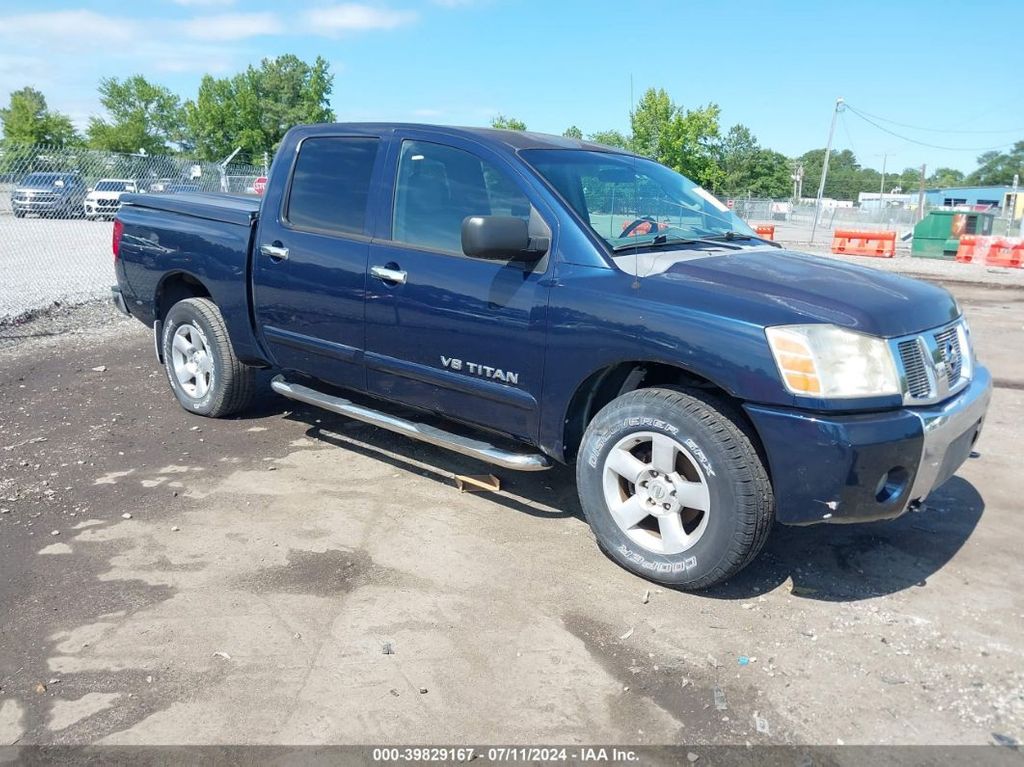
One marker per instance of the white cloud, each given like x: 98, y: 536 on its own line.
x: 353, y: 17
x: 59, y: 27
x: 204, y: 3
x: 232, y: 26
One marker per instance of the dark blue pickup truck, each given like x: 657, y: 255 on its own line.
x: 557, y: 300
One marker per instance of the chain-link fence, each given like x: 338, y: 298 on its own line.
x: 55, y: 212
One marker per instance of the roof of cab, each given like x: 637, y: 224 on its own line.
x: 509, y: 140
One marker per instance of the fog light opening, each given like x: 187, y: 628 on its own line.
x: 891, y: 485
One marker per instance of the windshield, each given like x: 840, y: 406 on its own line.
x: 630, y: 200
x: 114, y: 186
x: 42, y: 179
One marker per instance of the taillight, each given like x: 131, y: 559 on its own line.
x: 115, y: 243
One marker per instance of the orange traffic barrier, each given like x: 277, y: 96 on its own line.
x: 1006, y: 251
x: 965, y: 251
x: 877, y: 244
x: 765, y: 230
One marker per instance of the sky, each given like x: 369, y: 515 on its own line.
x: 952, y: 72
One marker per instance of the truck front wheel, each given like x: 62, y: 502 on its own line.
x: 204, y: 373
x: 673, y: 487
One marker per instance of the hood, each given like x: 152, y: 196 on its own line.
x: 769, y: 286
x: 94, y: 195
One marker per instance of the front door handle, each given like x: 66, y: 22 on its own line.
x: 275, y: 252
x: 396, y: 276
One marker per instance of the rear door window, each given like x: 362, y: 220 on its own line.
x: 330, y: 184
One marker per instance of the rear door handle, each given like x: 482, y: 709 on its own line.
x: 276, y: 252
x: 396, y: 276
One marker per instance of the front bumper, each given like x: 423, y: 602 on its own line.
x: 37, y: 206
x: 102, y: 207
x: 863, y: 467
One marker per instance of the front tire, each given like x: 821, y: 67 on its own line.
x: 204, y: 373
x: 673, y: 487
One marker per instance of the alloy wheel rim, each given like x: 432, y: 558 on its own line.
x: 192, y: 361
x: 656, y: 492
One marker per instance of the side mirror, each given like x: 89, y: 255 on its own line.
x: 501, y: 238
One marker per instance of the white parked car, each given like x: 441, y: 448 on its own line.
x: 104, y: 199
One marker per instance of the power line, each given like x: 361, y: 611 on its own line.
x: 934, y: 130
x: 925, y: 143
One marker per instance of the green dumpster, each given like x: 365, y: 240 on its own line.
x: 938, y: 234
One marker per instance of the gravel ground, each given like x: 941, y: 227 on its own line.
x: 171, y: 579
x: 52, y: 260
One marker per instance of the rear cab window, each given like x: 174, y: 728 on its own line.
x: 330, y: 184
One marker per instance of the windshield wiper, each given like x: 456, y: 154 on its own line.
x: 663, y: 240
x: 732, y: 236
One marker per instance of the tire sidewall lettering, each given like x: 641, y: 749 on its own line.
x: 633, y: 422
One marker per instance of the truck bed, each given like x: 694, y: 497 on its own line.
x: 228, y: 208
x: 202, y: 237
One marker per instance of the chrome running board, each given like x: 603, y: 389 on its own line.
x: 474, y: 448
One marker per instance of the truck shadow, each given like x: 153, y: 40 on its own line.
x: 837, y: 563
x: 547, y: 495
x: 844, y: 563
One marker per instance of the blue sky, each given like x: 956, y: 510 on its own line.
x: 777, y: 67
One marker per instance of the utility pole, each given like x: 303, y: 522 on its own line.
x: 1012, y: 207
x: 824, y: 166
x: 920, y: 195
x: 881, y: 192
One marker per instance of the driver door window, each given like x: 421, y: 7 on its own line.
x: 438, y: 186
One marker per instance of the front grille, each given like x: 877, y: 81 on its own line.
x: 934, y: 364
x: 915, y: 369
x: 947, y: 344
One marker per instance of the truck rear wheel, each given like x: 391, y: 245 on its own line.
x: 204, y: 373
x: 673, y: 488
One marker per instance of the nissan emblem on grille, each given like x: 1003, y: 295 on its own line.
x: 933, y: 364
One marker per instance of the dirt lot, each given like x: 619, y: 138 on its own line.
x: 169, y: 579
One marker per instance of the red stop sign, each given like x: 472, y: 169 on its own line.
x: 260, y: 185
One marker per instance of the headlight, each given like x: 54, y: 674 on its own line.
x: 828, y: 361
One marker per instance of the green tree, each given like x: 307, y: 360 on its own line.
x: 255, y: 108
x: 998, y: 168
x: 611, y: 138
x: 946, y: 177
x: 142, y: 116
x: 909, y: 180
x: 507, y: 123
x: 685, y: 140
x: 845, y: 176
x: 27, y: 120
x: 573, y: 132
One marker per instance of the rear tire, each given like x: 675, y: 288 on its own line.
x: 204, y: 373
x: 673, y: 487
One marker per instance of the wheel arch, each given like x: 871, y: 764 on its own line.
x: 612, y: 381
x: 174, y: 287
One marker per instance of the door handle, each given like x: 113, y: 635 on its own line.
x: 396, y: 276
x: 275, y: 252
